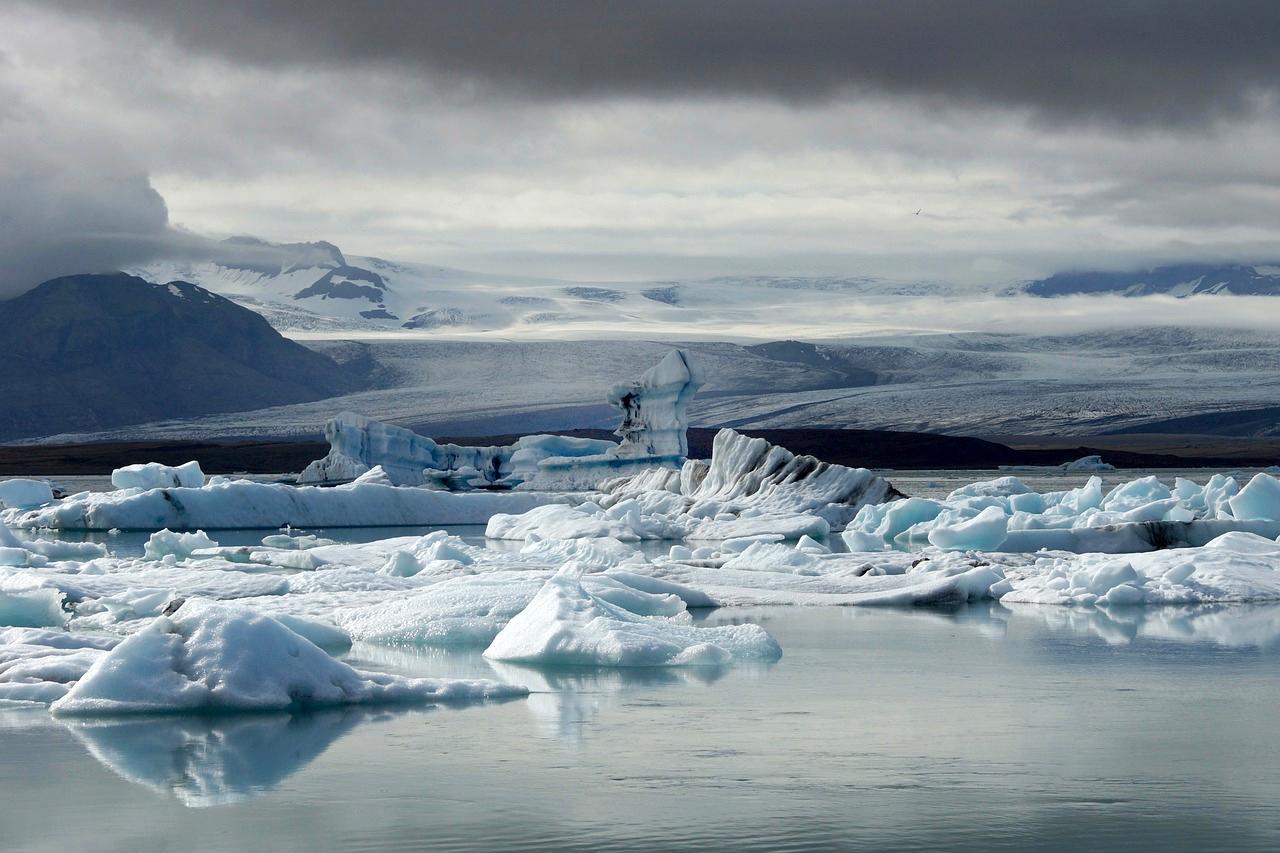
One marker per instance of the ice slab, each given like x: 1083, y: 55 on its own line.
x: 565, y: 624
x: 208, y: 656
x: 248, y: 504
x: 153, y: 475
x: 24, y: 493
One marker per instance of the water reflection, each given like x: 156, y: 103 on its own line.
x: 565, y: 700
x: 1230, y: 626
x: 211, y: 761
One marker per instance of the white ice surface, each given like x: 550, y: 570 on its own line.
x: 208, y: 656
x: 248, y: 504
x: 565, y: 624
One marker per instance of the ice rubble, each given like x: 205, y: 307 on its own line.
x: 654, y: 421
x: 566, y: 624
x: 749, y: 488
x: 207, y: 656
x: 1139, y: 515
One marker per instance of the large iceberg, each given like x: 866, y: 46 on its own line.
x: 207, y: 656
x: 565, y: 624
x: 223, y: 504
x: 654, y: 422
x: 750, y: 488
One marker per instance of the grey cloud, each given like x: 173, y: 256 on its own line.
x: 1126, y: 61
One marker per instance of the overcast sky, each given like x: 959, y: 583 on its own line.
x: 654, y: 139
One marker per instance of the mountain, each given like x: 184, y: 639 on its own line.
x: 1181, y: 280
x: 316, y: 288
x: 90, y: 352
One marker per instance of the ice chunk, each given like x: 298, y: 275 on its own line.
x: 208, y: 656
x: 30, y: 606
x: 180, y: 545
x: 1259, y: 499
x: 566, y: 624
x: 655, y: 409
x: 24, y: 494
x: 1085, y: 464
x: 153, y: 475
x: 774, y: 557
x: 984, y: 532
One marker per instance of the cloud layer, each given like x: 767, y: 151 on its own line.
x: 644, y: 140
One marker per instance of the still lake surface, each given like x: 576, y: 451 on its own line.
x: 975, y: 729
x: 978, y: 728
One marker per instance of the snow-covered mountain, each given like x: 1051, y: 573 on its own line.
x: 1181, y: 281
x: 314, y: 287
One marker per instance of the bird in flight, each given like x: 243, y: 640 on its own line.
x: 917, y: 213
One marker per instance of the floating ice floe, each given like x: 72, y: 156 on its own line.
x: 38, y: 552
x: 1005, y: 515
x: 224, y: 504
x: 565, y: 624
x: 207, y: 656
x: 654, y: 422
x: 749, y: 488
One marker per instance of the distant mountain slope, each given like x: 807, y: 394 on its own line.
x: 1181, y: 281
x: 316, y: 288
x: 100, y: 351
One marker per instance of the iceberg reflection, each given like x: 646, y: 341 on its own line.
x: 565, y: 700
x: 1230, y: 626
x: 211, y: 761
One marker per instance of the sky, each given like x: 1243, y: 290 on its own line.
x: 980, y: 142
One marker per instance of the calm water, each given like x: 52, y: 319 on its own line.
x: 978, y: 729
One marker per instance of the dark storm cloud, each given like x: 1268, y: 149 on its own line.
x: 1142, y: 61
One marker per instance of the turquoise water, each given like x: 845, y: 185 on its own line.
x: 976, y: 729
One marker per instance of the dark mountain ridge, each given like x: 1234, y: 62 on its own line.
x: 91, y: 352
x: 1180, y: 280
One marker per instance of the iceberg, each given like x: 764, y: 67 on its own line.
x: 153, y: 475
x: 224, y: 504
x: 208, y: 656
x: 565, y: 624
x: 653, y: 432
x: 749, y: 488
x: 1005, y: 515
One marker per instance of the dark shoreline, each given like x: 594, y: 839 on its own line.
x: 865, y: 448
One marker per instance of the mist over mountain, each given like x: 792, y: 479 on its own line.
x: 1180, y: 280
